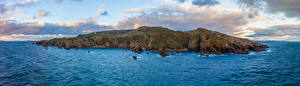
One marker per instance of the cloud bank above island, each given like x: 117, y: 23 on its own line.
x: 180, y: 16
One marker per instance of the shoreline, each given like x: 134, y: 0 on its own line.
x: 159, y: 39
x: 161, y: 52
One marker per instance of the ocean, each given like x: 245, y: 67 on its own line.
x: 26, y: 64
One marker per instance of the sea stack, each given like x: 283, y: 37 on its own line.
x: 163, y: 54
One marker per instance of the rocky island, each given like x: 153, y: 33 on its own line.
x: 159, y: 39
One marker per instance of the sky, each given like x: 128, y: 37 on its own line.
x: 262, y: 20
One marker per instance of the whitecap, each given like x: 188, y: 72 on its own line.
x: 139, y: 57
x: 252, y: 53
x: 198, y: 55
x: 269, y: 50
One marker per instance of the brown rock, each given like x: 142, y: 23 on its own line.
x: 138, y: 50
x: 163, y: 54
x: 134, y: 57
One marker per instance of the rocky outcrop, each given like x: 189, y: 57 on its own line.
x: 163, y: 54
x: 159, y: 39
x: 210, y: 42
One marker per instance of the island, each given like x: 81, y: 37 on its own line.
x: 159, y: 39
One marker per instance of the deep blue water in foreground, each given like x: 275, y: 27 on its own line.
x: 25, y: 64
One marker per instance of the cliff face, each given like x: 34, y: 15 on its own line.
x: 160, y: 39
x: 210, y: 42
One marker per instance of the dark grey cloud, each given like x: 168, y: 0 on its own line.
x: 2, y: 8
x: 181, y: 1
x: 205, y: 2
x: 105, y: 13
x: 201, y: 3
x: 291, y: 8
x: 280, y: 30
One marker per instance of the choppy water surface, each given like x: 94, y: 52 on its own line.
x: 25, y: 64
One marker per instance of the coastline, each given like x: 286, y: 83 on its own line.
x: 159, y: 39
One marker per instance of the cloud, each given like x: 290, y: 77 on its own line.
x: 39, y: 28
x: 279, y: 32
x: 182, y: 17
x: 11, y: 29
x: 41, y: 14
x: 93, y: 18
x: 291, y: 8
x: 11, y: 8
x: 24, y: 3
x: 2, y: 8
x: 201, y: 3
x: 22, y: 37
x: 181, y: 1
x: 134, y: 10
x: 59, y: 1
x: 105, y: 13
x: 205, y: 2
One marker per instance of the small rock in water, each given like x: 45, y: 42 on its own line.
x: 89, y: 51
x: 138, y: 50
x: 173, y: 54
x: 68, y: 48
x: 163, y: 54
x: 134, y: 57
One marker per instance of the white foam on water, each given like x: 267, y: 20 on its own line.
x: 269, y: 50
x: 139, y: 57
x: 252, y: 53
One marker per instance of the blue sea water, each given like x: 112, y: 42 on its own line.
x: 26, y: 64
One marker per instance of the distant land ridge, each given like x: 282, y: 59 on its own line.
x: 159, y: 39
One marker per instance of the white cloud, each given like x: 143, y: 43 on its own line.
x: 184, y: 16
x: 41, y: 14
